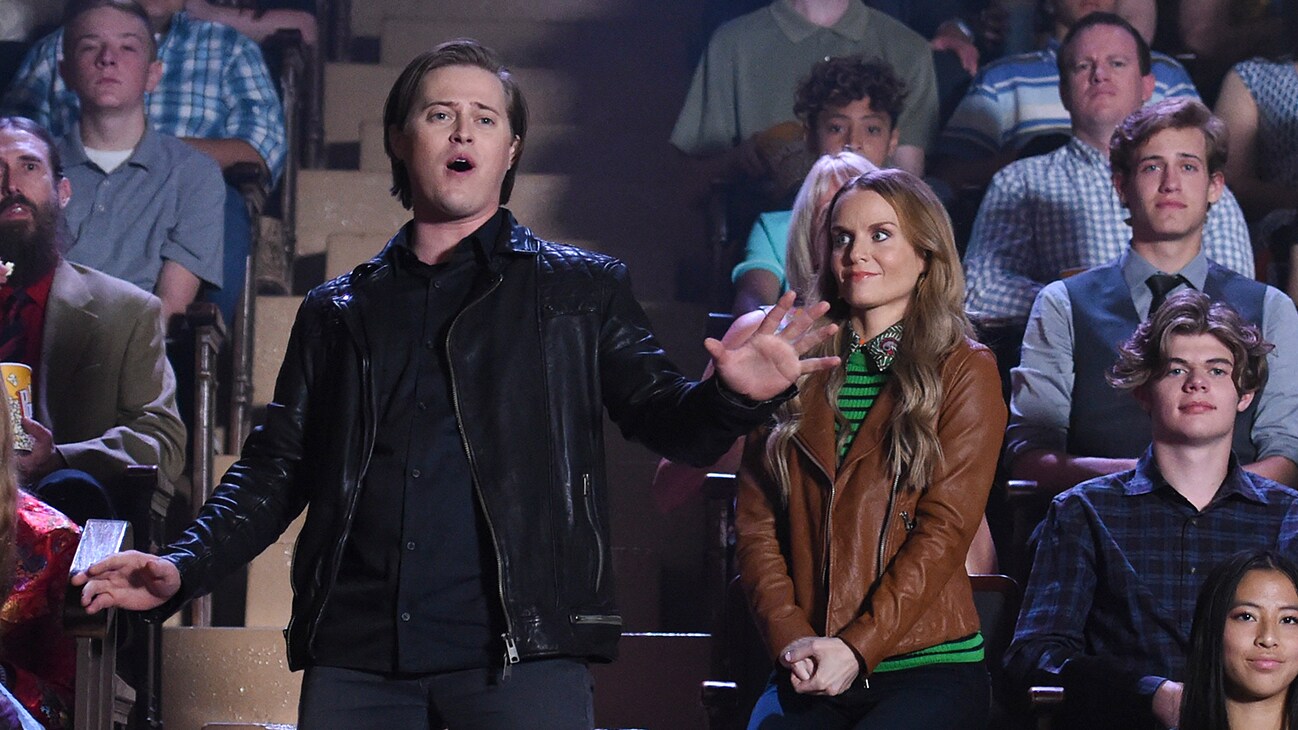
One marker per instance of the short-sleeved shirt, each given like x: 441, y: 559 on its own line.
x: 166, y: 202
x: 1044, y: 215
x: 1015, y: 99
x: 749, y: 74
x: 768, y: 247
x: 215, y: 85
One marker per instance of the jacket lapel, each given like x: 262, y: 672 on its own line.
x: 67, y: 313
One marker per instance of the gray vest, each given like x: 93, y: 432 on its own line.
x: 1110, y: 423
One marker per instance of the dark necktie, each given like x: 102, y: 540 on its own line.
x: 1160, y: 285
x: 13, y: 332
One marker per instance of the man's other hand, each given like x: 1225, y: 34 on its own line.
x: 132, y: 580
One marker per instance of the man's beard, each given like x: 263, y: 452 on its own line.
x: 32, y: 246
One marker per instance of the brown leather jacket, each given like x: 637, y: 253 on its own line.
x: 894, y: 557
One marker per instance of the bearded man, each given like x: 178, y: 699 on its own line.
x: 105, y: 395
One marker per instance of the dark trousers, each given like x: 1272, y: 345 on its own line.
x: 76, y: 494
x: 938, y: 697
x: 550, y: 694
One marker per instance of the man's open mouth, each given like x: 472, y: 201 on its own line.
x: 460, y: 164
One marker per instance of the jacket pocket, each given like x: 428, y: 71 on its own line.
x: 600, y: 619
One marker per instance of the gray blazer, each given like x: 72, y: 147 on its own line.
x: 105, y: 388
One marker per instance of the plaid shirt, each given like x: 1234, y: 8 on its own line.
x: 214, y: 85
x: 1119, y: 563
x: 1043, y: 215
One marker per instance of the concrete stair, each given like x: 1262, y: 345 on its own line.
x: 233, y: 675
x: 274, y: 322
x: 270, y: 592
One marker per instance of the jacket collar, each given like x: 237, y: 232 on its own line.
x: 817, y: 438
x: 512, y: 238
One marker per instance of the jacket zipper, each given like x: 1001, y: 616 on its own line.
x: 824, y: 576
x: 887, y: 520
x: 511, y: 648
x: 589, y: 499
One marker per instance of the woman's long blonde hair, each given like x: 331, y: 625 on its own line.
x: 934, y: 324
x: 806, y: 244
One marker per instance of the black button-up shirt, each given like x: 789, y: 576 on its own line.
x: 415, y: 588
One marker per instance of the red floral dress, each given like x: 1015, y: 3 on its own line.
x: 39, y: 659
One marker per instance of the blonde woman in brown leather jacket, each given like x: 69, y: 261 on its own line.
x: 857, y: 505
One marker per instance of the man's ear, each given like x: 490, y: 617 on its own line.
x: 1120, y: 182
x: 515, y: 149
x: 1147, y: 88
x: 1245, y: 401
x: 398, y: 143
x: 155, y: 75
x: 64, y: 188
x: 1216, y: 186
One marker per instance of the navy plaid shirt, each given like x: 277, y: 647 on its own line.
x: 1118, y: 567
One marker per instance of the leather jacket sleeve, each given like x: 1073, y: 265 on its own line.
x: 649, y: 398
x: 970, y: 427
x: 260, y: 495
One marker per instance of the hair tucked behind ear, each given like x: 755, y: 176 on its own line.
x: 935, y: 324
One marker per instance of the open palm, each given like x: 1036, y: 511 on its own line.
x: 773, y: 358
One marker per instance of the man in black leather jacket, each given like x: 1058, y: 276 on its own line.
x: 438, y: 415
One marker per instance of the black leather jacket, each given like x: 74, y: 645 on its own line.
x: 550, y: 334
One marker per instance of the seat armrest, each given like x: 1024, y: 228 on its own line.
x: 99, y: 539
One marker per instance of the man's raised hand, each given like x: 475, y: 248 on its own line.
x: 767, y: 363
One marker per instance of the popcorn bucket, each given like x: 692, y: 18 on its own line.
x: 18, y: 385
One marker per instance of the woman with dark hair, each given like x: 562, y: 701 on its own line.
x: 1244, y: 646
x: 857, y: 505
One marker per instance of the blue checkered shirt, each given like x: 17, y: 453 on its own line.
x: 1119, y: 563
x: 214, y: 85
x: 1047, y: 214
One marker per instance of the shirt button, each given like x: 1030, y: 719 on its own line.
x: 415, y: 473
x: 437, y: 285
x: 100, y: 208
x: 410, y: 545
x: 421, y: 406
x: 405, y: 617
x: 429, y: 344
x: 1193, y: 570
